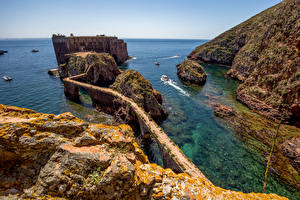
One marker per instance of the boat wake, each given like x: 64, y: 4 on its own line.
x: 171, y: 57
x: 174, y: 85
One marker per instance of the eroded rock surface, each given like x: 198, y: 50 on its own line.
x: 43, y: 156
x: 264, y: 54
x: 192, y: 72
x: 132, y: 84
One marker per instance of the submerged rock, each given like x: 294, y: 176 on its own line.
x: 258, y: 133
x: 264, y: 54
x: 192, y: 72
x: 132, y: 84
x: 43, y: 156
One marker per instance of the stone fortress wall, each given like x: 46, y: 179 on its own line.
x: 64, y: 45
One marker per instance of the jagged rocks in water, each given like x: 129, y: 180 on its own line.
x: 264, y: 54
x: 43, y: 156
x: 101, y: 68
x: 192, y: 72
x: 132, y: 84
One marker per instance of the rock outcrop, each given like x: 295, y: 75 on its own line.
x: 132, y: 84
x: 43, y: 156
x: 192, y: 72
x: 101, y: 69
x: 264, y: 54
x: 259, y: 132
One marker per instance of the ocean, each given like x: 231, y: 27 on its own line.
x: 205, y: 139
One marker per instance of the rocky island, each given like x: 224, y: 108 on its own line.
x: 133, y: 85
x: 192, y: 72
x: 46, y: 156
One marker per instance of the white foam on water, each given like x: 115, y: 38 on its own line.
x: 127, y: 61
x: 171, y: 57
x: 174, y: 85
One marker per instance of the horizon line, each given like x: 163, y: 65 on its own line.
x: 8, y: 38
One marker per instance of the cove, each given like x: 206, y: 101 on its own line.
x: 205, y: 139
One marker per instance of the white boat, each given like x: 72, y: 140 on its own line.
x: 7, y: 78
x: 156, y: 63
x: 164, y: 78
x: 35, y: 50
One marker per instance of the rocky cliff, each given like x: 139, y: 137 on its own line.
x: 43, y: 156
x: 132, y: 84
x: 264, y: 54
x: 192, y: 72
x: 101, y: 68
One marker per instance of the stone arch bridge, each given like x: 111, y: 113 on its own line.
x: 171, y: 154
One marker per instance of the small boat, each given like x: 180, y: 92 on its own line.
x: 7, y: 78
x: 34, y: 50
x: 164, y: 78
x: 2, y: 52
x: 156, y: 63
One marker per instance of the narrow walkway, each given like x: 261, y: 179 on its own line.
x: 173, y: 150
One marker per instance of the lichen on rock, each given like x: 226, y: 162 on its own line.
x: 192, y: 72
x: 43, y: 156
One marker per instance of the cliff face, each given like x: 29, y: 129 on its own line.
x: 101, y: 69
x: 192, y: 72
x: 264, y: 54
x: 132, y: 84
x: 43, y: 156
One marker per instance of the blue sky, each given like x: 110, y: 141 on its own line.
x: 200, y: 19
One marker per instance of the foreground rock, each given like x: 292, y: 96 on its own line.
x: 192, y: 72
x: 101, y: 68
x: 264, y: 54
x: 132, y: 84
x: 250, y: 128
x: 43, y: 156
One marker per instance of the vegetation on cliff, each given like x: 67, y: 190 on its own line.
x: 192, y: 72
x: 43, y: 156
x: 132, y: 84
x: 100, y: 68
x: 264, y: 54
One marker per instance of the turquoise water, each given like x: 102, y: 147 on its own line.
x: 212, y: 146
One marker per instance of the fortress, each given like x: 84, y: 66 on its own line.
x: 64, y: 45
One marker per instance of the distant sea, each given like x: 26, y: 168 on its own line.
x: 192, y: 125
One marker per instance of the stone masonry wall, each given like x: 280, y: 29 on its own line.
x: 101, y: 44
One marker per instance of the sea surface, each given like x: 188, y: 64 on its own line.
x: 205, y: 139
